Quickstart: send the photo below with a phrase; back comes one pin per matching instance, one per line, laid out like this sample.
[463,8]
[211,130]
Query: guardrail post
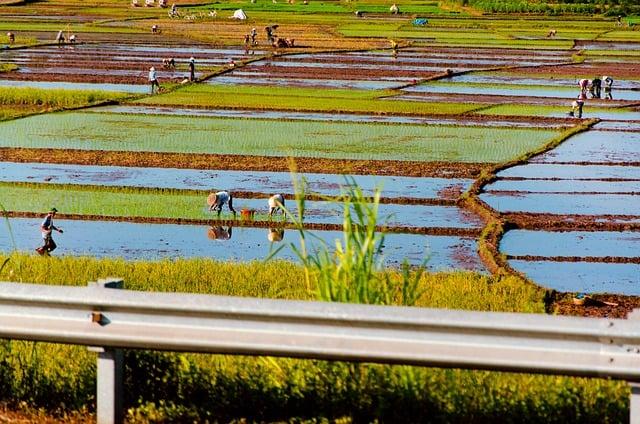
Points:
[634,405]
[109,387]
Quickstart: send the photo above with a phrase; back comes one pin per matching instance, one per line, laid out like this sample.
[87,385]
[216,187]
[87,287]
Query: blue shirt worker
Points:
[47,228]
[217,200]
[153,79]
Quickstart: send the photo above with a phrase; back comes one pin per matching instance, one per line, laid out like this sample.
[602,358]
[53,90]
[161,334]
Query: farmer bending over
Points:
[46,228]
[217,200]
[276,202]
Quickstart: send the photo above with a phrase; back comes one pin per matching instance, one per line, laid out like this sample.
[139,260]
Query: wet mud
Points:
[244,163]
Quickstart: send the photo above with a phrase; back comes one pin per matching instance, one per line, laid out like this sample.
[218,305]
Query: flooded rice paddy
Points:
[167,241]
[563,204]
[596,147]
[583,277]
[598,244]
[255,181]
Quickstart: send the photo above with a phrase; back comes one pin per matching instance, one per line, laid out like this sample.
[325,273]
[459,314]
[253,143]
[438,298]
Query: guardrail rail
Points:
[111,320]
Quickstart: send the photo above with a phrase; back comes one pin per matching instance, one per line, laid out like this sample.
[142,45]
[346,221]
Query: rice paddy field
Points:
[461,122]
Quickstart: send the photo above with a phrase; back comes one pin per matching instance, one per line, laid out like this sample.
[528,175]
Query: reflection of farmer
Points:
[153,79]
[276,202]
[275,234]
[46,228]
[217,200]
[220,233]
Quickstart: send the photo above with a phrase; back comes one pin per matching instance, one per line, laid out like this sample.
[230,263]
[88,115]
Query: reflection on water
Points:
[136,241]
[218,232]
[275,235]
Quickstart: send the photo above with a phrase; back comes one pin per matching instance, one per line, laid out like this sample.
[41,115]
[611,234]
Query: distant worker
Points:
[595,88]
[46,228]
[276,202]
[153,79]
[72,39]
[608,83]
[155,29]
[192,69]
[552,33]
[619,21]
[169,63]
[394,9]
[12,37]
[584,85]
[60,37]
[162,3]
[217,200]
[134,3]
[577,105]
[173,12]
[254,34]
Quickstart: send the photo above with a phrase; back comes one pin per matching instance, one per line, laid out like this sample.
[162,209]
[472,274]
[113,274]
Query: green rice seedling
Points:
[7,67]
[340,140]
[54,98]
[299,99]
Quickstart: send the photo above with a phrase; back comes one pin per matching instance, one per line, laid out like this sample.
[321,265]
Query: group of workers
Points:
[595,87]
[169,63]
[217,200]
[60,39]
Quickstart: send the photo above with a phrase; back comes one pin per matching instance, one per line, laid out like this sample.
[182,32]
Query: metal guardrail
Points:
[116,319]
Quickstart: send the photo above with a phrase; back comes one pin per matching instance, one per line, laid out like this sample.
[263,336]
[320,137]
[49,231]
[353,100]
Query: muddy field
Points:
[572,211]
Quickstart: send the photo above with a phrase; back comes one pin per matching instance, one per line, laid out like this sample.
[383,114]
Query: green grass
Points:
[299,99]
[186,387]
[103,131]
[7,67]
[54,98]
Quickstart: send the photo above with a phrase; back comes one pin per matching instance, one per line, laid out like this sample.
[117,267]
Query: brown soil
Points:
[244,163]
[626,71]
[552,222]
[595,307]
[603,259]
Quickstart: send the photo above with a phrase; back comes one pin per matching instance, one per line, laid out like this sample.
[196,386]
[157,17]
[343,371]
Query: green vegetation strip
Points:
[298,99]
[167,387]
[92,131]
[55,98]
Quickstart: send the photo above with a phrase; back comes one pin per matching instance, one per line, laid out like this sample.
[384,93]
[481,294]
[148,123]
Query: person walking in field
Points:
[153,79]
[276,202]
[46,228]
[217,200]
